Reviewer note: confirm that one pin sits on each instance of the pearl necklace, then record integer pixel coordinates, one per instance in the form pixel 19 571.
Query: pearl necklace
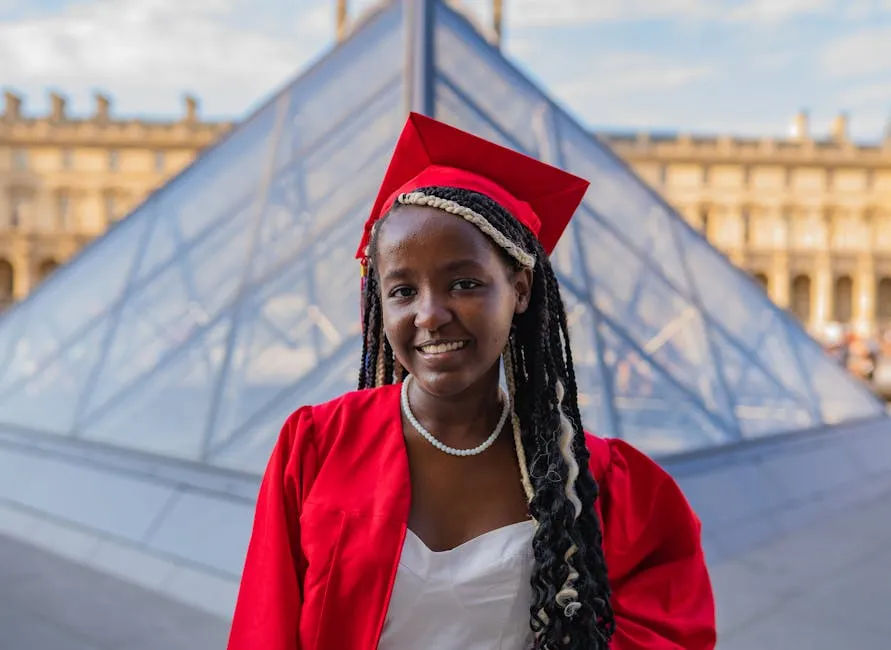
pixel 406 408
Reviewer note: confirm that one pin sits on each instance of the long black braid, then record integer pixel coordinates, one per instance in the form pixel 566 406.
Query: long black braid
pixel 568 547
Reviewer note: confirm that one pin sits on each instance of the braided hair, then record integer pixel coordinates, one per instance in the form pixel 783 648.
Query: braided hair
pixel 571 594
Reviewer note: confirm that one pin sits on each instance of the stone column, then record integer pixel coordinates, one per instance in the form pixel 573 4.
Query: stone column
pixel 21 267
pixel 779 278
pixel 733 235
pixel 821 292
pixel 865 294
pixel 691 216
pixel 780 281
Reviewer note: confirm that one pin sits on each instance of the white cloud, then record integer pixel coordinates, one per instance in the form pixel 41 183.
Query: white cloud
pixel 867 104
pixel 773 12
pixel 857 10
pixel 867 94
pixel 145 52
pixel 858 54
pixel 548 13
pixel 624 89
pixel 620 74
pixel 11 5
pixel 551 13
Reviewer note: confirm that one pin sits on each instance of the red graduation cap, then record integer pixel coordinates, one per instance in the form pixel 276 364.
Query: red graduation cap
pixel 429 153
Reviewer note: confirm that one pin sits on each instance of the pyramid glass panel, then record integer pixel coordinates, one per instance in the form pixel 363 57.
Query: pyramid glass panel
pixel 59 383
pixel 162 345
pixel 321 186
pixel 290 326
pixel 164 240
pixel 592 376
pixel 840 397
pixel 453 109
pixel 167 412
pixel 72 300
pixel 486 82
pixel 247 448
pixel 661 321
pixel 164 311
pixel 594 398
pixel 194 327
pixel 762 405
pixel 623 201
pixel 776 342
pixel 652 410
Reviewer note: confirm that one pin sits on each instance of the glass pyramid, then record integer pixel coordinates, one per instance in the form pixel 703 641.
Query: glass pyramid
pixel 196 325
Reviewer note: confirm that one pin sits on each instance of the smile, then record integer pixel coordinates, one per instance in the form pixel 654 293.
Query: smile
pixel 442 348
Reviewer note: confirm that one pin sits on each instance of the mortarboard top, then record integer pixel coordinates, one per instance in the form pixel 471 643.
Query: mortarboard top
pixel 428 153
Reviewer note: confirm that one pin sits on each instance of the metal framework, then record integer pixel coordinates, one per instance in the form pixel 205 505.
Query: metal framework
pixel 194 327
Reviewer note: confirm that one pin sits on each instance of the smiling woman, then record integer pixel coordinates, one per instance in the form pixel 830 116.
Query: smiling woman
pixel 398 516
pixel 448 297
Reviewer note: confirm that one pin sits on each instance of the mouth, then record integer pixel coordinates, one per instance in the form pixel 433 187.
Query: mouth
pixel 435 348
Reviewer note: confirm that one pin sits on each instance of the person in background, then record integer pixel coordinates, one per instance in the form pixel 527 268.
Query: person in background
pixel 433 508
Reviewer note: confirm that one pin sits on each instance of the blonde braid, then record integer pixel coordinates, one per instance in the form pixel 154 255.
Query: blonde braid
pixel 509 377
pixel 419 198
pixel 567 597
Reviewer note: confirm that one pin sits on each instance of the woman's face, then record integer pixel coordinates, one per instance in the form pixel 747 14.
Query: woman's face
pixel 449 298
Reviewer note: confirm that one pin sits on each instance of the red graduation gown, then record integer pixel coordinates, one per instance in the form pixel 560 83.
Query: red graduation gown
pixel 331 519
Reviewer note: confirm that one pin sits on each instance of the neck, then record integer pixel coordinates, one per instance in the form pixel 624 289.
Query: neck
pixel 461 420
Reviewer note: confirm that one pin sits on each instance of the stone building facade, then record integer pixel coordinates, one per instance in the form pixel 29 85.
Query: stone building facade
pixel 809 218
pixel 64 180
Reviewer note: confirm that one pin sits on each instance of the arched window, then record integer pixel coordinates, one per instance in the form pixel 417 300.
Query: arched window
pixel 801 298
pixel 46 268
pixel 883 300
pixel 843 298
pixel 21 206
pixel 7 277
pixel 762 281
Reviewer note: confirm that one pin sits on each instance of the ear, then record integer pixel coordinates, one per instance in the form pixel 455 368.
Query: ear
pixel 522 281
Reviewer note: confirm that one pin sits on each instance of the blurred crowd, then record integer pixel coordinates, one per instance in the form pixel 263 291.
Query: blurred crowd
pixel 866 357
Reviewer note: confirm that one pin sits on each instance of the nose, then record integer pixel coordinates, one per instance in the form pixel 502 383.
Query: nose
pixel 433 312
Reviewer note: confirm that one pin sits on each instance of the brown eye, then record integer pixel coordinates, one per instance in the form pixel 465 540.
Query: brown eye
pixel 401 292
pixel 466 285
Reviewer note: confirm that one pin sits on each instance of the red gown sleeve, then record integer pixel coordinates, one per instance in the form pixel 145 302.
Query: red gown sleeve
pixel 662 594
pixel 267 612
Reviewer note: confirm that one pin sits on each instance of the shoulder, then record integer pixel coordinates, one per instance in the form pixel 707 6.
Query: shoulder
pixel 357 403
pixel 640 503
pixel 662 594
pixel 611 457
pixel 322 425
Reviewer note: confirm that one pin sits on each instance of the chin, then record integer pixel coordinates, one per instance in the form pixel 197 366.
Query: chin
pixel 443 385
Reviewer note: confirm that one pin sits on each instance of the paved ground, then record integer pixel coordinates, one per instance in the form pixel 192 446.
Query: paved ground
pixel 49 603
pixel 824 588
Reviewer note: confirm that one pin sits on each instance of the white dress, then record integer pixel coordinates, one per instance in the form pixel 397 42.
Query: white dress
pixel 473 597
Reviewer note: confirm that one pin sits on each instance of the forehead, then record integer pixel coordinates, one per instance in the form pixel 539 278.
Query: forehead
pixel 430 230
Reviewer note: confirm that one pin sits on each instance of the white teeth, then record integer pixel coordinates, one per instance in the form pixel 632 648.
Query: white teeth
pixel 440 348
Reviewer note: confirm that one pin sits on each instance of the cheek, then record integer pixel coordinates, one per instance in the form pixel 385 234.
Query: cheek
pixel 496 319
pixel 397 324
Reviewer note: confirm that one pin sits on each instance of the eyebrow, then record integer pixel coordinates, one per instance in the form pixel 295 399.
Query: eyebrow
pixel 403 273
pixel 457 265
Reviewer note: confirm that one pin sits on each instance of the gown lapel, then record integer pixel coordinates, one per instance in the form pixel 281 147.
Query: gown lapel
pixel 374 471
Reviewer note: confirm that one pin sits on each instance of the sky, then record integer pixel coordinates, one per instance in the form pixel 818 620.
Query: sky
pixel 741 67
